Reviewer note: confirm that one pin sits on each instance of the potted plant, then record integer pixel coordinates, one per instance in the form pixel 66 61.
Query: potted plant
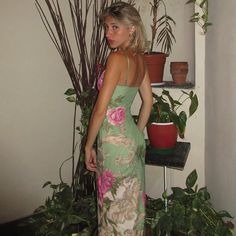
pixel 189 212
pixel 201 17
pixel 179 69
pixel 167 120
pixel 161 34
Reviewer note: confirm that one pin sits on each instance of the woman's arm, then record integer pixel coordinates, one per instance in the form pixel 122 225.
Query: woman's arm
pixel 147 101
pixel 110 81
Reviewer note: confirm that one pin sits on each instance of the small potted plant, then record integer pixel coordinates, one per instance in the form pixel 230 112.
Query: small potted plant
pixel 166 121
pixel 161 34
pixel 189 212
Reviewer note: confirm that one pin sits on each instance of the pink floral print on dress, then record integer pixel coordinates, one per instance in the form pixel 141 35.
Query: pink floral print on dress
pixel 116 116
pixel 100 80
pixel 105 182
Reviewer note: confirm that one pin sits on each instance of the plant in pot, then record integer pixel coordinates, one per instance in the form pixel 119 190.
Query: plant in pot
pixel 179 69
pixel 166 121
pixel 189 212
pixel 161 34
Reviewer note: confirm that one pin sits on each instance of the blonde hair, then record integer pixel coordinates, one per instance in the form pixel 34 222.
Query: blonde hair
pixel 128 14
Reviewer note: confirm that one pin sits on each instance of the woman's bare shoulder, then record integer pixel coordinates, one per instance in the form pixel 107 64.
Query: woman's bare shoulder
pixel 115 59
pixel 116 56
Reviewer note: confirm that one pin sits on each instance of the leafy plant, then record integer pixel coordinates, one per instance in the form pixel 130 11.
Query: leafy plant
pixel 70 209
pixel 201 18
pixel 165 109
pixel 189 212
pixel 163 24
pixel 162 27
pixel 63 215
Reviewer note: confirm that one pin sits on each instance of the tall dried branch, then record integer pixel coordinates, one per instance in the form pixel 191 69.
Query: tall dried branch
pixel 81 63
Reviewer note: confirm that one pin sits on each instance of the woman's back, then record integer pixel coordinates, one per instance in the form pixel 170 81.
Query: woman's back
pixel 132 69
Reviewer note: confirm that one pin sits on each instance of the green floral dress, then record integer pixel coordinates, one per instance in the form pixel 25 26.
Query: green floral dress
pixel 120 165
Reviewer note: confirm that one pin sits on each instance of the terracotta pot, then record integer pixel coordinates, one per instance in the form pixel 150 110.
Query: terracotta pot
pixel 179 71
pixel 155 64
pixel 162 135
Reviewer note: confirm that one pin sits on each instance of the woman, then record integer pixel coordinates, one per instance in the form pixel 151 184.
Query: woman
pixel 121 147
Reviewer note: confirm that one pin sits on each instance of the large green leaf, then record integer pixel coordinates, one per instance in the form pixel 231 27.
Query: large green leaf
pixel 225 214
pixel 70 92
pixel 194 105
pixel 191 179
pixel 204 194
pixel 178 193
pixel 182 123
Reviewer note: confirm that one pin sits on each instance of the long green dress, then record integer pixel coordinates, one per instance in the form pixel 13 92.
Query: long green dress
pixel 120 166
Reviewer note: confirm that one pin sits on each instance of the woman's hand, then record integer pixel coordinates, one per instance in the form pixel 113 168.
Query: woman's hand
pixel 90 159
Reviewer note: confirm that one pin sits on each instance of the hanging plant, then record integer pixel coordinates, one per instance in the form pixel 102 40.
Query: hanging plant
pixel 201 18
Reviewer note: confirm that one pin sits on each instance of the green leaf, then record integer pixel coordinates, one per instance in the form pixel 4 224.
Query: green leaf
pixel 196 204
pixel 183 117
pixel 47 183
pixel 191 179
pixel 182 123
pixel 166 222
pixel 225 214
pixel 194 105
pixel 190 1
pixel 194 20
pixel 178 193
pixel 195 15
pixel 202 3
pixel 70 92
pixel 71 99
pixel 74 219
pixel 204 194
pixel 54 186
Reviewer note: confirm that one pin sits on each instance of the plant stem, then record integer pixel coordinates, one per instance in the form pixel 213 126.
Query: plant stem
pixel 74 146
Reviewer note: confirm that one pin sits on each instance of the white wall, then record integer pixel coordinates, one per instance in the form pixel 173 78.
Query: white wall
pixel 220 105
pixel 36 120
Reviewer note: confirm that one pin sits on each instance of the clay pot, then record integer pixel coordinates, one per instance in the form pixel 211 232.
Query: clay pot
pixel 162 135
pixel 155 65
pixel 179 71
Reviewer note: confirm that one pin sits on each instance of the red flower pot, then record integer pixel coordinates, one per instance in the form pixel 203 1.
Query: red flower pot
pixel 155 65
pixel 179 71
pixel 162 135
